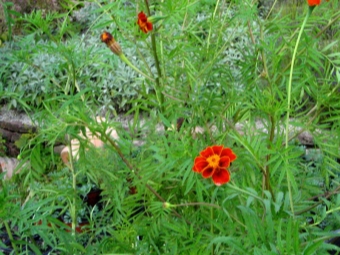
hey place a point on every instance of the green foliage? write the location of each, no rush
(222, 68)
(9, 19)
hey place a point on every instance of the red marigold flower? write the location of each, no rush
(144, 23)
(214, 162)
(110, 42)
(314, 2)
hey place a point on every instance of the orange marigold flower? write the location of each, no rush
(144, 23)
(314, 2)
(214, 162)
(110, 42)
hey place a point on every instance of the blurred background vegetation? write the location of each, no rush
(223, 64)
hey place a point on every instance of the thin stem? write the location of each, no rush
(266, 173)
(198, 203)
(237, 136)
(307, 125)
(265, 67)
(289, 92)
(159, 89)
(267, 169)
(271, 9)
(303, 50)
(327, 26)
(212, 219)
(212, 228)
(251, 33)
(211, 24)
(245, 192)
(125, 60)
(325, 196)
(74, 187)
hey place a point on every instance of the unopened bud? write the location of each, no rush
(110, 42)
(166, 205)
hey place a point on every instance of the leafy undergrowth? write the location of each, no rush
(199, 70)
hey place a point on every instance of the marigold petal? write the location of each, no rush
(106, 37)
(144, 29)
(217, 149)
(199, 158)
(143, 22)
(227, 152)
(314, 2)
(221, 176)
(142, 17)
(149, 26)
(208, 172)
(207, 152)
(199, 164)
(224, 162)
(139, 22)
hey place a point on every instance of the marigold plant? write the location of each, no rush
(215, 82)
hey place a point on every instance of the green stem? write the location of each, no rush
(212, 228)
(289, 92)
(125, 60)
(324, 196)
(73, 205)
(267, 168)
(198, 203)
(159, 89)
(211, 24)
(74, 187)
(271, 9)
(245, 192)
(212, 219)
(327, 26)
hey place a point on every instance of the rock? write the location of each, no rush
(9, 166)
(12, 126)
(93, 138)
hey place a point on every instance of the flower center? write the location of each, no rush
(213, 161)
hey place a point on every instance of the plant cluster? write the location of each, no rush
(232, 92)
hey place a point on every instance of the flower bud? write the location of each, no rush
(166, 205)
(110, 42)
